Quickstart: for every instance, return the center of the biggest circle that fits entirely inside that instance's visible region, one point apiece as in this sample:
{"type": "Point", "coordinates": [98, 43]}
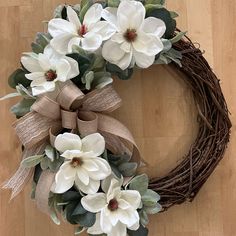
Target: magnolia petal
{"type": "Point", "coordinates": [83, 176]}
{"type": "Point", "coordinates": [90, 165]}
{"type": "Point", "coordinates": [118, 38]}
{"type": "Point", "coordinates": [63, 69]}
{"type": "Point", "coordinates": [104, 169]}
{"type": "Point", "coordinates": [44, 62]}
{"type": "Point", "coordinates": [38, 82]}
{"type": "Point", "coordinates": [70, 154]}
{"type": "Point", "coordinates": [74, 71]}
{"type": "Point", "coordinates": [49, 86]}
{"type": "Point", "coordinates": [94, 142]}
{"type": "Point", "coordinates": [134, 13]}
{"type": "Point", "coordinates": [58, 27]}
{"type": "Point", "coordinates": [91, 41]}
{"type": "Point", "coordinates": [93, 15]}
{"type": "Point", "coordinates": [142, 60]}
{"type": "Point", "coordinates": [35, 76]}
{"type": "Point", "coordinates": [110, 15]}
{"type": "Point", "coordinates": [31, 63]}
{"type": "Point", "coordinates": [142, 42]}
{"type": "Point", "coordinates": [73, 17]}
{"type": "Point", "coordinates": [94, 203]}
{"type": "Point", "coordinates": [155, 26]}
{"type": "Point", "coordinates": [132, 197]}
{"type": "Point", "coordinates": [60, 43]}
{"type": "Point", "coordinates": [67, 170]}
{"type": "Point", "coordinates": [40, 90]}
{"type": "Point", "coordinates": [96, 228]}
{"type": "Point", "coordinates": [135, 226]}
{"type": "Point", "coordinates": [62, 184]}
{"type": "Point", "coordinates": [112, 52]}
{"type": "Point", "coordinates": [67, 141]}
{"type": "Point", "coordinates": [91, 188]}
{"type": "Point", "coordinates": [125, 46]}
{"type": "Point", "coordinates": [104, 29]}
{"type": "Point", "coordinates": [114, 189]}
{"type": "Point", "coordinates": [125, 62]}
{"type": "Point", "coordinates": [118, 230]}
{"type": "Point", "coordinates": [123, 204]}
{"type": "Point", "coordinates": [129, 217]}
{"type": "Point", "coordinates": [105, 221]}
{"type": "Point", "coordinates": [73, 42]}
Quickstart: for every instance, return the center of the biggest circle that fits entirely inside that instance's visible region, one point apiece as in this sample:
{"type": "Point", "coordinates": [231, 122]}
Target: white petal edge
{"type": "Point", "coordinates": [94, 203]}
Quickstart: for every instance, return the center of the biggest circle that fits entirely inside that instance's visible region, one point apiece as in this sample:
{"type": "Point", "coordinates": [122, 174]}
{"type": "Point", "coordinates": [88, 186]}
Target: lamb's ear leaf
{"type": "Point", "coordinates": [139, 183]}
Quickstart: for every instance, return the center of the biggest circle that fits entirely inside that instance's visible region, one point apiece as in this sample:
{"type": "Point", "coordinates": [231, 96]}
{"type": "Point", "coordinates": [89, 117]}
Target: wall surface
{"type": "Point", "coordinates": [158, 108]}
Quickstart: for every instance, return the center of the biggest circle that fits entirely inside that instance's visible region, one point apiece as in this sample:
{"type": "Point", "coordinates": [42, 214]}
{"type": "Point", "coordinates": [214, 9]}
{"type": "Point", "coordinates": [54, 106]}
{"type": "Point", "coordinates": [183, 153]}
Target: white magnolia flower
{"type": "Point", "coordinates": [47, 69]}
{"type": "Point", "coordinates": [137, 39]}
{"type": "Point", "coordinates": [83, 166]}
{"type": "Point", "coordinates": [116, 210]}
{"type": "Point", "coordinates": [89, 35]}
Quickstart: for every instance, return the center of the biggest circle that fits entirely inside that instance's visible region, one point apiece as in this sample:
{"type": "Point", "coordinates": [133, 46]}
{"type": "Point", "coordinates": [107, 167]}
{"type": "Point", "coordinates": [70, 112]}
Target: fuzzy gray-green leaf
{"type": "Point", "coordinates": [32, 161]}
{"type": "Point", "coordinates": [153, 210]}
{"type": "Point", "coordinates": [139, 183]}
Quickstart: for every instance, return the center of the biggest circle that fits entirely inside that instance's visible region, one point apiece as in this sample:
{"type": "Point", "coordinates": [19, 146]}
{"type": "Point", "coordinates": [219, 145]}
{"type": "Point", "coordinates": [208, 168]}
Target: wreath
{"type": "Point", "coordinates": [84, 163]}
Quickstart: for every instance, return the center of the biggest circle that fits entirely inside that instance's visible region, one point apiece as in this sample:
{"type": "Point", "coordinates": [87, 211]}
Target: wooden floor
{"type": "Point", "coordinates": [158, 108]}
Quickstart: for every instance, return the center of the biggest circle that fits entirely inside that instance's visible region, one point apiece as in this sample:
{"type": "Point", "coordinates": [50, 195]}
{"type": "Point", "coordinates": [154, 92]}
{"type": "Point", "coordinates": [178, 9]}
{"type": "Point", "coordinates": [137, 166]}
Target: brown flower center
{"type": "Point", "coordinates": [76, 162]}
{"type": "Point", "coordinates": [82, 30]}
{"type": "Point", "coordinates": [51, 75]}
{"type": "Point", "coordinates": [113, 205]}
{"type": "Point", "coordinates": [130, 35]}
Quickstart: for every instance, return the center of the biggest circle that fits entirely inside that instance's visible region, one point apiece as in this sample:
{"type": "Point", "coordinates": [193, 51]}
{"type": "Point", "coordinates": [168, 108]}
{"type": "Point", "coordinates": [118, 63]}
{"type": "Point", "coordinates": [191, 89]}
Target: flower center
{"type": "Point", "coordinates": [51, 75]}
{"type": "Point", "coordinates": [113, 205]}
{"type": "Point", "coordinates": [76, 162]}
{"type": "Point", "coordinates": [130, 35]}
{"type": "Point", "coordinates": [82, 30]}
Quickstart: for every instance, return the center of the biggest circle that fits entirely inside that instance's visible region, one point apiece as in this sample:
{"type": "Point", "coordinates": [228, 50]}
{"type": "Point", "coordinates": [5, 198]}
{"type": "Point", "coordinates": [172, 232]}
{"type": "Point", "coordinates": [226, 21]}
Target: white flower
{"type": "Point", "coordinates": [83, 166]}
{"type": "Point", "coordinates": [137, 39]}
{"type": "Point", "coordinates": [89, 35]}
{"type": "Point", "coordinates": [47, 69]}
{"type": "Point", "coordinates": [116, 210]}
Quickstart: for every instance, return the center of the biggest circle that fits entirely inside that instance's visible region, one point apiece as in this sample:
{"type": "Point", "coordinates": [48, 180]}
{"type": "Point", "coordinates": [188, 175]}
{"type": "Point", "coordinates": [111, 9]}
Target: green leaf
{"type": "Point", "coordinates": [58, 11]}
{"type": "Point", "coordinates": [33, 190]}
{"type": "Point", "coordinates": [85, 5]}
{"type": "Point", "coordinates": [150, 195]}
{"type": "Point", "coordinates": [163, 14]}
{"type": "Point", "coordinates": [121, 74]}
{"type": "Point", "coordinates": [142, 231]}
{"type": "Point", "coordinates": [79, 230]}
{"type": "Point", "coordinates": [174, 14]}
{"type": "Point", "coordinates": [143, 218]}
{"type": "Point", "coordinates": [71, 196]}
{"type": "Point", "coordinates": [32, 161]}
{"type": "Point", "coordinates": [113, 3]}
{"type": "Point", "coordinates": [153, 210]}
{"type": "Point", "coordinates": [18, 77]}
{"type": "Point", "coordinates": [161, 2]}
{"type": "Point", "coordinates": [37, 173]}
{"type": "Point", "coordinates": [36, 48]}
{"type": "Point", "coordinates": [178, 37]}
{"type": "Point", "coordinates": [86, 220]}
{"type": "Point", "coordinates": [10, 95]}
{"type": "Point", "coordinates": [50, 152]}
{"type": "Point", "coordinates": [23, 107]}
{"type": "Point", "coordinates": [128, 169]}
{"type": "Point", "coordinates": [24, 92]}
{"type": "Point", "coordinates": [44, 163]}
{"type": "Point", "coordinates": [79, 210]}
{"type": "Point", "coordinates": [139, 183]}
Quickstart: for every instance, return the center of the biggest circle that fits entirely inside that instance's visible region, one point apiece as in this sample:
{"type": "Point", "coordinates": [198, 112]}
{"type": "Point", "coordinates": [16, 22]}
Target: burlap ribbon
{"type": "Point", "coordinates": [69, 108]}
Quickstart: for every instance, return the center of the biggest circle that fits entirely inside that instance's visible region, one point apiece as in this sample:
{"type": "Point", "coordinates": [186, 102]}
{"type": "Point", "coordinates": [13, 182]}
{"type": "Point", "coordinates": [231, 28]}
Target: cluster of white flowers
{"type": "Point", "coordinates": [123, 35]}
{"type": "Point", "coordinates": [116, 209]}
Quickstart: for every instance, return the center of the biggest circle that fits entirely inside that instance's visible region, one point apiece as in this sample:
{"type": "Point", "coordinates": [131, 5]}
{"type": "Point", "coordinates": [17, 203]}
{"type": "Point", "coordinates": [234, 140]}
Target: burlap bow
{"type": "Point", "coordinates": [69, 108]}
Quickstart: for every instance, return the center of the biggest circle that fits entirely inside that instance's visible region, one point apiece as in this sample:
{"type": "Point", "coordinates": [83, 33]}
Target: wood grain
{"type": "Point", "coordinates": [158, 108]}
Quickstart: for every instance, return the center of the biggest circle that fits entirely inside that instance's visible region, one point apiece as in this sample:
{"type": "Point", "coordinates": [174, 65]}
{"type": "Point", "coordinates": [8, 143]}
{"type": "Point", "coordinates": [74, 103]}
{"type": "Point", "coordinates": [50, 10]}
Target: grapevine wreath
{"type": "Point", "coordinates": [83, 162]}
